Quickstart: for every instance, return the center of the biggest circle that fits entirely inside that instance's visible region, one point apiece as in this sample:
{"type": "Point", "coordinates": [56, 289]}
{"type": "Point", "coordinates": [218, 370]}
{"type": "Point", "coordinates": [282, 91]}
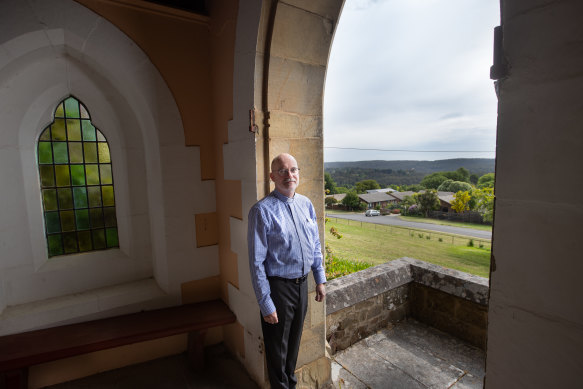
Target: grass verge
{"type": "Point", "coordinates": [375, 244]}
{"type": "Point", "coordinates": [483, 227]}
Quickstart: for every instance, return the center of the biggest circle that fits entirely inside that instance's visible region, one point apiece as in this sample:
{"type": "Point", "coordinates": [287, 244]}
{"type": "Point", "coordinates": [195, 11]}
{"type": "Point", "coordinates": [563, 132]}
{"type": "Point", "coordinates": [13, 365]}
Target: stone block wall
{"type": "Point", "coordinates": [362, 303]}
{"type": "Point", "coordinates": [465, 319]}
{"type": "Point", "coordinates": [347, 326]}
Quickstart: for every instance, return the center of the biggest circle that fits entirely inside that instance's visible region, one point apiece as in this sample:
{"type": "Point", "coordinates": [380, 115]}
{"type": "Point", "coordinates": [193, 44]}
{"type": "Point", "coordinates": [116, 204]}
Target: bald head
{"type": "Point", "coordinates": [285, 181]}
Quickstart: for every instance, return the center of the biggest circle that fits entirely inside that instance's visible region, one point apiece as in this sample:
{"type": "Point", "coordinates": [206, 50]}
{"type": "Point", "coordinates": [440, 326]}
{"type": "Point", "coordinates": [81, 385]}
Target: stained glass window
{"type": "Point", "coordinates": [76, 183]}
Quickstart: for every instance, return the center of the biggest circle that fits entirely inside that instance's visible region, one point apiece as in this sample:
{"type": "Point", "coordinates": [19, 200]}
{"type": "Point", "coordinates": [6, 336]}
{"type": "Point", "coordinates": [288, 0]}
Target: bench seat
{"type": "Point", "coordinates": [18, 351]}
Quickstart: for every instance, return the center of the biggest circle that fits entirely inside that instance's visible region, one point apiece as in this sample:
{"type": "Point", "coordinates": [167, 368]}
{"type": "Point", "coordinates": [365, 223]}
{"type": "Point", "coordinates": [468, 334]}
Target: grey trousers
{"type": "Point", "coordinates": [282, 340]}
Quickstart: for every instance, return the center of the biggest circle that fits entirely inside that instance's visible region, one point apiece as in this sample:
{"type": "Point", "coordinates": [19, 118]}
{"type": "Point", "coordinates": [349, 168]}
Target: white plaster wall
{"type": "Point", "coordinates": [535, 330]}
{"type": "Point", "coordinates": [240, 164]}
{"type": "Point", "coordinates": [49, 50]}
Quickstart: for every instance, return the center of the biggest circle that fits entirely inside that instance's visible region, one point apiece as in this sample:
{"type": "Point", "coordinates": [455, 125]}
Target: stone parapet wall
{"type": "Point", "coordinates": [361, 303]}
{"type": "Point", "coordinates": [463, 318]}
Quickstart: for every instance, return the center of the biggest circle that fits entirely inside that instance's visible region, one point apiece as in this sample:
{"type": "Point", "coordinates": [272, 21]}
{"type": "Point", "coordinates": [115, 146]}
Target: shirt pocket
{"type": "Point", "coordinates": [311, 228]}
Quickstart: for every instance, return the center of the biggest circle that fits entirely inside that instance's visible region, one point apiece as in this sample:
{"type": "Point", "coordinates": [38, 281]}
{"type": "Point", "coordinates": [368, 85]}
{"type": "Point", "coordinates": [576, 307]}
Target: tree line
{"type": "Point", "coordinates": [471, 193]}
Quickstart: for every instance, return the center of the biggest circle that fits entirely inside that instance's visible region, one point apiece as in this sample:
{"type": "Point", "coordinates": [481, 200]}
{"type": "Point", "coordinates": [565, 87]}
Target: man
{"type": "Point", "coordinates": [283, 246]}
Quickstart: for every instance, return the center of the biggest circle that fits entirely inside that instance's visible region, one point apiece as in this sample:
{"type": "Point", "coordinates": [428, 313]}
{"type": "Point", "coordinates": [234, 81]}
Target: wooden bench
{"type": "Point", "coordinates": [19, 351]}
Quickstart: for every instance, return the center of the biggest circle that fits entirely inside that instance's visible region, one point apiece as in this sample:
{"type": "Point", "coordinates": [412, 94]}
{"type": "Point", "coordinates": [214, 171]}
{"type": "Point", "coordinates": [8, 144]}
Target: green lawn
{"type": "Point", "coordinates": [377, 244]}
{"type": "Point", "coordinates": [483, 227]}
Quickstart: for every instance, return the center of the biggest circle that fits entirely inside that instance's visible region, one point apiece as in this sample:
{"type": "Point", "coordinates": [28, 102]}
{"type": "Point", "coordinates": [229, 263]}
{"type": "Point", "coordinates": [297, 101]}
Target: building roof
{"type": "Point", "coordinates": [375, 197]}
{"type": "Point", "coordinates": [384, 190]}
{"type": "Point", "coordinates": [338, 196]}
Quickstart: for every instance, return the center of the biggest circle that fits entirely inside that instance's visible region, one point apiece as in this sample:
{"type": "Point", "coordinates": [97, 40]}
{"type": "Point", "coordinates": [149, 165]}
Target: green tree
{"type": "Point", "coordinates": [485, 203]}
{"type": "Point", "coordinates": [342, 189]}
{"type": "Point", "coordinates": [474, 179]}
{"type": "Point", "coordinates": [486, 181]}
{"type": "Point", "coordinates": [364, 185]}
{"type": "Point", "coordinates": [433, 180]}
{"type": "Point", "coordinates": [464, 174]}
{"type": "Point", "coordinates": [427, 201]}
{"type": "Point", "coordinates": [329, 184]}
{"type": "Point", "coordinates": [330, 201]}
{"type": "Point", "coordinates": [460, 201]}
{"type": "Point", "coordinates": [454, 186]}
{"type": "Point", "coordinates": [351, 200]}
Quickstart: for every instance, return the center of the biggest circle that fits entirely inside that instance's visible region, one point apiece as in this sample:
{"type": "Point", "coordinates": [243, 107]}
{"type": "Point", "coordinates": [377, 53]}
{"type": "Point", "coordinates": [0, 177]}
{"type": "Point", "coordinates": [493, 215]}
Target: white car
{"type": "Point", "coordinates": [372, 212]}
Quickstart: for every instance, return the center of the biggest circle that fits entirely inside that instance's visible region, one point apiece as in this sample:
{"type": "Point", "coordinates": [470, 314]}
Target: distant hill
{"type": "Point", "coordinates": [388, 173]}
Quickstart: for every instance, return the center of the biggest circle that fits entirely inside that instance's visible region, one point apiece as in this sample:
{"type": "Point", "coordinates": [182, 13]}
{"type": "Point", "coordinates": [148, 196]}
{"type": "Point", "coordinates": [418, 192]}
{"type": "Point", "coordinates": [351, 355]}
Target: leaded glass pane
{"type": "Point", "coordinates": [71, 107]}
{"type": "Point", "coordinates": [62, 173]}
{"type": "Point", "coordinates": [50, 200]}
{"type": "Point", "coordinates": [55, 245]}
{"type": "Point", "coordinates": [52, 222]}
{"type": "Point", "coordinates": [45, 152]}
{"type": "Point", "coordinates": [70, 242]}
{"type": "Point", "coordinates": [46, 134]}
{"type": "Point", "coordinates": [107, 196]}
{"type": "Point", "coordinates": [65, 198]}
{"type": "Point", "coordinates": [84, 113]}
{"type": "Point", "coordinates": [103, 149]}
{"type": "Point", "coordinates": [94, 193]}
{"type": "Point", "coordinates": [76, 183]}
{"type": "Point", "coordinates": [80, 197]}
{"type": "Point", "coordinates": [77, 175]}
{"type": "Point", "coordinates": [60, 152]}
{"type": "Point", "coordinates": [67, 220]}
{"type": "Point", "coordinates": [92, 172]}
{"type": "Point", "coordinates": [90, 151]}
{"type": "Point", "coordinates": [85, 243]}
{"type": "Point", "coordinates": [76, 152]}
{"type": "Point", "coordinates": [109, 217]}
{"type": "Point", "coordinates": [88, 131]}
{"type": "Point", "coordinates": [111, 236]}
{"type": "Point", "coordinates": [58, 132]}
{"type": "Point", "coordinates": [47, 175]}
{"type": "Point", "coordinates": [82, 219]}
{"type": "Point", "coordinates": [98, 239]}
{"type": "Point", "coordinates": [60, 111]}
{"type": "Point", "coordinates": [105, 174]}
{"type": "Point", "coordinates": [96, 217]}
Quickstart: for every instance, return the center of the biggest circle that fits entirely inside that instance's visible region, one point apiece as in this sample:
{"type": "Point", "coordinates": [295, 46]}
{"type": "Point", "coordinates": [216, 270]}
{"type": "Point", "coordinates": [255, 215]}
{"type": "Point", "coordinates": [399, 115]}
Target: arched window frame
{"type": "Point", "coordinates": [76, 181]}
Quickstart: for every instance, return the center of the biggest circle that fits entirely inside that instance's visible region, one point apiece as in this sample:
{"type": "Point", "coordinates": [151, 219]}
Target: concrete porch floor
{"type": "Point", "coordinates": [408, 355]}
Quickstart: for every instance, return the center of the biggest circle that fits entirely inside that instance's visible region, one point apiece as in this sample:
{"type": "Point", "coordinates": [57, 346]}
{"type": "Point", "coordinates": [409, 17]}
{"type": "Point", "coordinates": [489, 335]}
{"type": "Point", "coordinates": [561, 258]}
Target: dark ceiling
{"type": "Point", "coordinates": [194, 6]}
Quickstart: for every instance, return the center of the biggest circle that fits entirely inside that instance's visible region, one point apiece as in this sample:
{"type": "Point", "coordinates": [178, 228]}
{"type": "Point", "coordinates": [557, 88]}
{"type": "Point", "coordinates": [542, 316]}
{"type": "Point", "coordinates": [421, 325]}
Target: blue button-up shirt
{"type": "Point", "coordinates": [274, 246]}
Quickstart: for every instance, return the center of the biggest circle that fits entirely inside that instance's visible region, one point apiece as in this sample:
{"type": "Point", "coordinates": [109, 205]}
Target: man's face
{"type": "Point", "coordinates": [285, 181]}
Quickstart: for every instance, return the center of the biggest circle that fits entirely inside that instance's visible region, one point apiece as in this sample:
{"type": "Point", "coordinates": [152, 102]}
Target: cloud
{"type": "Point", "coordinates": [419, 68]}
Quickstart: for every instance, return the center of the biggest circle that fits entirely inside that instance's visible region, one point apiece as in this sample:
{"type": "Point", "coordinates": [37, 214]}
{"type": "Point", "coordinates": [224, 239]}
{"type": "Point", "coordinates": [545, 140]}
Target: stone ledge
{"type": "Point", "coordinates": [360, 286]}
{"type": "Point", "coordinates": [365, 284]}
{"type": "Point", "coordinates": [454, 282]}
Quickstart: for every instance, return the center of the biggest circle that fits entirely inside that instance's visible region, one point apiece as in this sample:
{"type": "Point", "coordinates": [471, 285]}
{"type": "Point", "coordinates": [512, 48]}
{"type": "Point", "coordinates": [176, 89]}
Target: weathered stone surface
{"type": "Point", "coordinates": [301, 35]}
{"type": "Point", "coordinates": [364, 302]}
{"type": "Point", "coordinates": [360, 286]}
{"type": "Point", "coordinates": [451, 281]}
{"type": "Point", "coordinates": [409, 355]}
{"type": "Point", "coordinates": [375, 371]}
{"type": "Point", "coordinates": [315, 375]}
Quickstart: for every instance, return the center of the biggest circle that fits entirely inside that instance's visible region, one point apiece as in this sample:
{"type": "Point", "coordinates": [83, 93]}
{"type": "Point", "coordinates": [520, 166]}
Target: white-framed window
{"type": "Point", "coordinates": [76, 182]}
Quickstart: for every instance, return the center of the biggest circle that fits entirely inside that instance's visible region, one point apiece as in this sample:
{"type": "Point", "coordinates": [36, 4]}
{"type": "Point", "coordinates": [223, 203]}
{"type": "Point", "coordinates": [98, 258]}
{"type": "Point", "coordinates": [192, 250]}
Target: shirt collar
{"type": "Point", "coordinates": [283, 198]}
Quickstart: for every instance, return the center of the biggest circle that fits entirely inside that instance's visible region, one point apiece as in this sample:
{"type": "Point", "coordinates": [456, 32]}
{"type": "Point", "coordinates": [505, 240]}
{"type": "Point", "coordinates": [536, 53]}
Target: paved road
{"type": "Point", "coordinates": [396, 221]}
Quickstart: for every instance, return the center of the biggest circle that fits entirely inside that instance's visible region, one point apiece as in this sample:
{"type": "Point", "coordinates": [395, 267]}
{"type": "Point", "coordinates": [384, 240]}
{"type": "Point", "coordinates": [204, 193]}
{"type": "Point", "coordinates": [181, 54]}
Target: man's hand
{"type": "Point", "coordinates": [320, 292]}
{"type": "Point", "coordinates": [271, 318]}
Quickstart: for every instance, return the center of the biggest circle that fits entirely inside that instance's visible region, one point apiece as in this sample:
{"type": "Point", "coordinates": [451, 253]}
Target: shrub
{"type": "Point", "coordinates": [471, 243]}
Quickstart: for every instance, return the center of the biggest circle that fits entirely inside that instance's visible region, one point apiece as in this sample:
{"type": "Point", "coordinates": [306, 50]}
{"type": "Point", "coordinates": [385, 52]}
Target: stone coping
{"type": "Point", "coordinates": [360, 286]}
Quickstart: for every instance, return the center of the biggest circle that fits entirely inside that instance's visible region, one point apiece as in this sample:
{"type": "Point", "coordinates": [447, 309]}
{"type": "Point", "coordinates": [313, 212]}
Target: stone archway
{"type": "Point", "coordinates": [293, 47]}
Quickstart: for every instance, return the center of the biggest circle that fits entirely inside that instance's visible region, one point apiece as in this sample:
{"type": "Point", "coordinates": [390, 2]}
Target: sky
{"type": "Point", "coordinates": [411, 75]}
